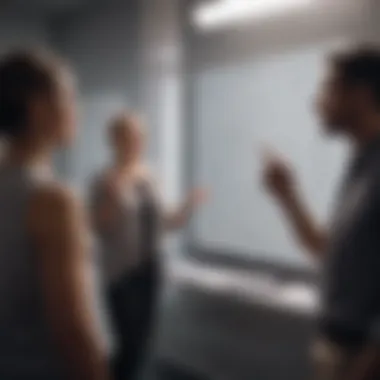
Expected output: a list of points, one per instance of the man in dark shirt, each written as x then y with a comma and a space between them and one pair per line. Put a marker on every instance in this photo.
349, 105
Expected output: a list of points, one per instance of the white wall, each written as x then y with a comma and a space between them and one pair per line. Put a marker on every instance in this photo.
162, 88
161, 96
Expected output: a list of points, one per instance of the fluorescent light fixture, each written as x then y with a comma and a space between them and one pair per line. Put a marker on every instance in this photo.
224, 13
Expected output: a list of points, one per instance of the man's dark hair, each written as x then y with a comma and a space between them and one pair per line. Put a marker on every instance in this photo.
360, 67
24, 75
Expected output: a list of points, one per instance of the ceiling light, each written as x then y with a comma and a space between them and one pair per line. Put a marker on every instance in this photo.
229, 12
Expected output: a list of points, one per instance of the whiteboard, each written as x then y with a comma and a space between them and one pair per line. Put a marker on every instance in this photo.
238, 107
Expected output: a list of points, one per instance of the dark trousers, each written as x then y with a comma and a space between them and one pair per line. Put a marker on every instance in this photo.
132, 306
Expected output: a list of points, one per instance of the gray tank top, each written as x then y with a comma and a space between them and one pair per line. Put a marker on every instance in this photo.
135, 237
26, 349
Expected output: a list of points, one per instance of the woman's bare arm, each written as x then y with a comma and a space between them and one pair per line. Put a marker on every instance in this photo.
308, 232
180, 216
59, 229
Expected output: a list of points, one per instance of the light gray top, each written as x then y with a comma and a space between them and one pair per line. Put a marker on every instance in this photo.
26, 349
135, 235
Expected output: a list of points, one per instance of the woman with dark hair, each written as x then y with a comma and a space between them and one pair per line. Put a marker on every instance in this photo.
130, 220
49, 327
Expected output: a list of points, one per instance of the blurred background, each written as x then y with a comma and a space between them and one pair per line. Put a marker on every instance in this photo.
215, 81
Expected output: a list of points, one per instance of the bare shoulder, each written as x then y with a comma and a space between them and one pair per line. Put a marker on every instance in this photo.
52, 206
55, 196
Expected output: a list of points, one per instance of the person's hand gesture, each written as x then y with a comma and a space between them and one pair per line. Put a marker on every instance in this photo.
278, 176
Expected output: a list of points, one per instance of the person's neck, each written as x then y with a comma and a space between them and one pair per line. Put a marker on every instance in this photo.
22, 152
126, 167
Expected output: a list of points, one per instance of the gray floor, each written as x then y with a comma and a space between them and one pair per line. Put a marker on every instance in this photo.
203, 336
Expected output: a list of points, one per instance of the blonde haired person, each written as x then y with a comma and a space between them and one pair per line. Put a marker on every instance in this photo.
130, 220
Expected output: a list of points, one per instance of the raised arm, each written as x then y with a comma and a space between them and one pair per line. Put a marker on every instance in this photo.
60, 231
180, 216
279, 180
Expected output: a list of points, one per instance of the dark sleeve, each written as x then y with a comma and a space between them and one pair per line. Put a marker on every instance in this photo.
373, 252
